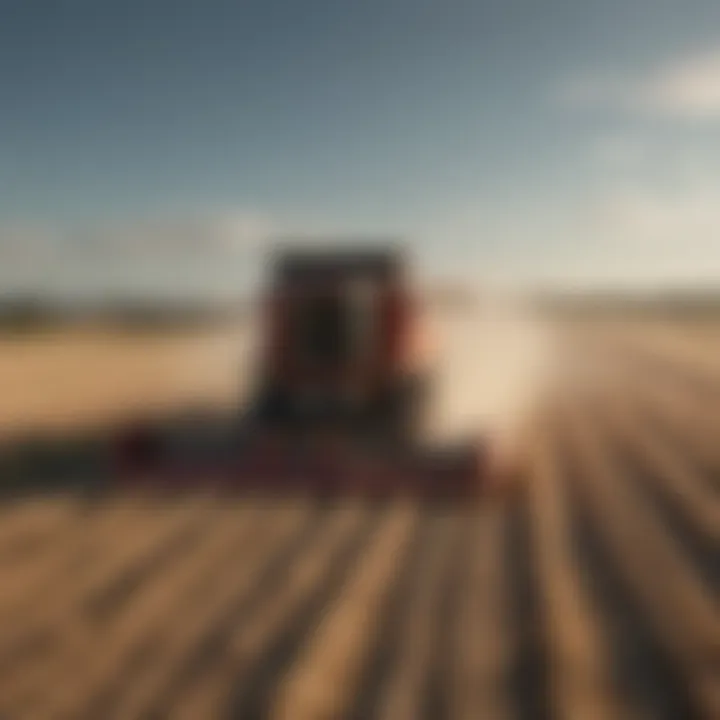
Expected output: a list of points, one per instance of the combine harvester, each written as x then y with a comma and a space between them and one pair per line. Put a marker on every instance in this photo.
340, 396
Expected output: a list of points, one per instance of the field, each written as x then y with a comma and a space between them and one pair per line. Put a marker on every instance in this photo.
593, 594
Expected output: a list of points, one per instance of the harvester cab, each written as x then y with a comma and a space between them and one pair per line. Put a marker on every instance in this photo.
341, 346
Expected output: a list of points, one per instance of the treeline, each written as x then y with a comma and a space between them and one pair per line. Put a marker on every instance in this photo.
673, 304
28, 314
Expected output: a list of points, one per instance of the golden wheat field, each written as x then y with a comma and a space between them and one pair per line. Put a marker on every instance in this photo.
591, 594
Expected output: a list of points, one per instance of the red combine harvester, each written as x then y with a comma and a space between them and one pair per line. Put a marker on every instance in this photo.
340, 395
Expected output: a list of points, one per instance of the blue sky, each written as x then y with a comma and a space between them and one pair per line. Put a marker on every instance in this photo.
157, 144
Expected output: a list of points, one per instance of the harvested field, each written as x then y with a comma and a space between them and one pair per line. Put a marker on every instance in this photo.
594, 594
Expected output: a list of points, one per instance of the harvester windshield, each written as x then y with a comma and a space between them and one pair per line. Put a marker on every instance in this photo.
333, 327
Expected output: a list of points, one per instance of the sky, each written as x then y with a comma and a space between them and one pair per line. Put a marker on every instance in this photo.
160, 145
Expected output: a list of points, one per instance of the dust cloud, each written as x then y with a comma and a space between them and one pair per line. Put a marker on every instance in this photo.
493, 367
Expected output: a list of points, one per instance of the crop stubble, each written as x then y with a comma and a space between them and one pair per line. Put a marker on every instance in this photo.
128, 609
